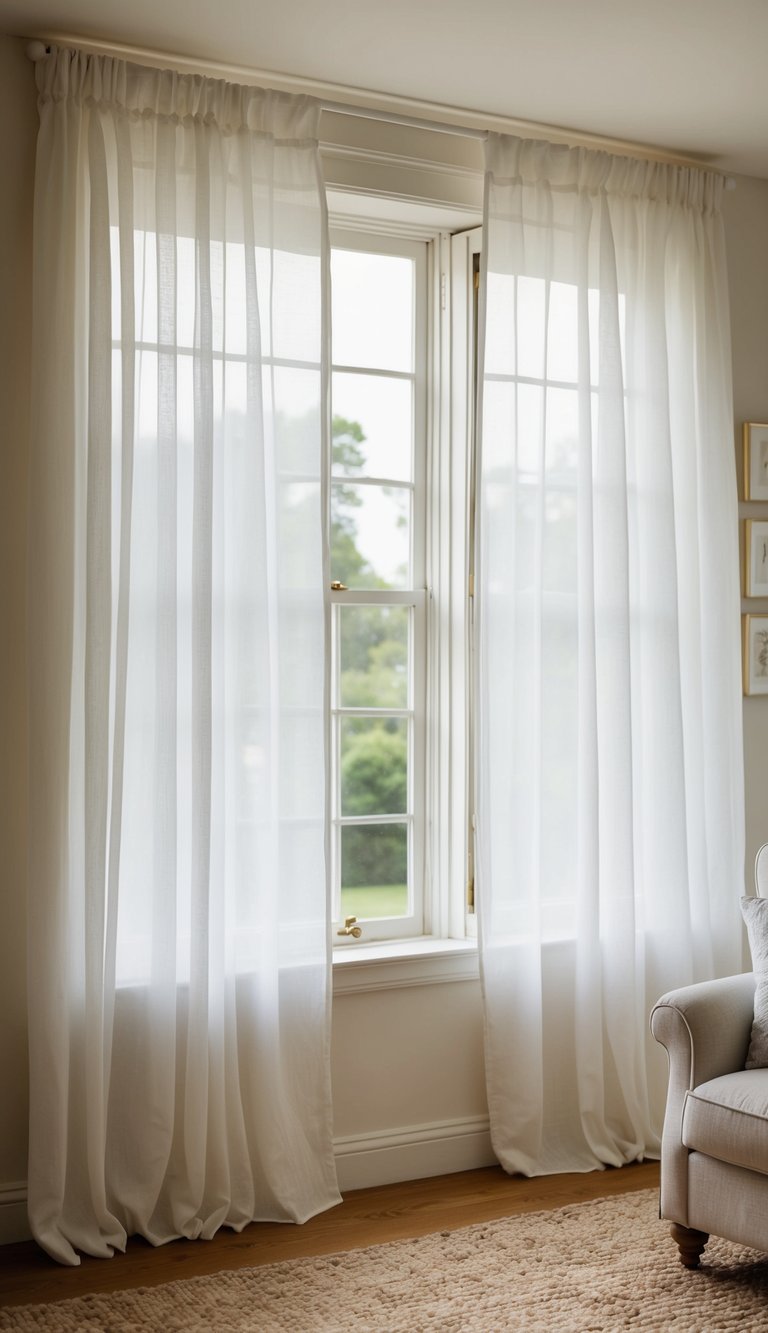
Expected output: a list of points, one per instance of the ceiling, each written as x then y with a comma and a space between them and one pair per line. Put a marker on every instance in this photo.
685, 75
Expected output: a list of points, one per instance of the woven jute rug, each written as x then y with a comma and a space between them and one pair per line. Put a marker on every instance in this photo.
605, 1265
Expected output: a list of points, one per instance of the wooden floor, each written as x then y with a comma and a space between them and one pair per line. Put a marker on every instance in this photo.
366, 1217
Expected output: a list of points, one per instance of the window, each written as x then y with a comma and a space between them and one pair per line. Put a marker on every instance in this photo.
378, 590
401, 409
404, 367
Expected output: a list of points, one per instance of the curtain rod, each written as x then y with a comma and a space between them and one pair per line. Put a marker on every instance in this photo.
341, 100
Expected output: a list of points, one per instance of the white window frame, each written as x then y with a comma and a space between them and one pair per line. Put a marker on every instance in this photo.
451, 489
441, 945
413, 923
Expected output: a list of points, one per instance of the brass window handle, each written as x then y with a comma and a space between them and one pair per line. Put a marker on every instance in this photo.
350, 927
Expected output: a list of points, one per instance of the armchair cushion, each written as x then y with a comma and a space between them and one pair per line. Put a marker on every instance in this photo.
755, 913
727, 1118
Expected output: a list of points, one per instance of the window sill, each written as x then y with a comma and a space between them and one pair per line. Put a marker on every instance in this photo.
420, 962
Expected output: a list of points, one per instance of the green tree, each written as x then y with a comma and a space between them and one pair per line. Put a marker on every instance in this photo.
374, 856
374, 658
347, 564
374, 773
347, 437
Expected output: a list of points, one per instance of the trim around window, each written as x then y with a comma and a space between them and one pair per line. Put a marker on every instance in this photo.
391, 953
397, 963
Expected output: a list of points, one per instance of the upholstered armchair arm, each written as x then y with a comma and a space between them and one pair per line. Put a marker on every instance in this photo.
705, 1029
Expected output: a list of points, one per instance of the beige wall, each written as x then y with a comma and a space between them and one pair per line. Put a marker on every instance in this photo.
401, 1058
746, 226
407, 1057
18, 127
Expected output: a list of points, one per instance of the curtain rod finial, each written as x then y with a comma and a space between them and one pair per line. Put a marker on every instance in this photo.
37, 51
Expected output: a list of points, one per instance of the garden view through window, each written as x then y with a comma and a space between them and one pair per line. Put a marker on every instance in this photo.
376, 558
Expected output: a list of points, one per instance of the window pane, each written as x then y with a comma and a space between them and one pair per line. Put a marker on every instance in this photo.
530, 327
372, 317
145, 285
292, 417
370, 535
530, 421
186, 287
562, 451
374, 656
295, 284
374, 870
372, 426
374, 766
500, 343
563, 332
235, 300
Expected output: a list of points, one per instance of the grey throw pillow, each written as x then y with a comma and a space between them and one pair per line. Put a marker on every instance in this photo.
755, 913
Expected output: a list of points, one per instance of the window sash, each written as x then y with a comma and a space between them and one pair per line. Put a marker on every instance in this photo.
415, 597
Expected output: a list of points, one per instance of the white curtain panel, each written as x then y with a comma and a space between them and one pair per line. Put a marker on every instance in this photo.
610, 788
178, 955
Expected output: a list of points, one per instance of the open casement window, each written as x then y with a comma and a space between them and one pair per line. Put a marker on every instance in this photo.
378, 589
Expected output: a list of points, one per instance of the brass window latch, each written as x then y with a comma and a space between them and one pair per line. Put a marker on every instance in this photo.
351, 927
337, 586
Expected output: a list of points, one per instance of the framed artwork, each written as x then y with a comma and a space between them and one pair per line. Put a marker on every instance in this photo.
755, 654
755, 558
755, 460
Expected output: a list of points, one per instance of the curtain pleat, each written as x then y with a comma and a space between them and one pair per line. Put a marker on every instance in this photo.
178, 940
610, 801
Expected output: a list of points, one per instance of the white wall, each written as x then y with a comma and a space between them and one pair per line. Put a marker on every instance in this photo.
746, 224
407, 1063
18, 127
408, 1083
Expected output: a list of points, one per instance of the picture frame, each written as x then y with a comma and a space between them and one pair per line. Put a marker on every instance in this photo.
755, 439
755, 558
755, 654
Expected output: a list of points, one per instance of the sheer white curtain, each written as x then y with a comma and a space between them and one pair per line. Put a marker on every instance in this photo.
179, 1005
610, 820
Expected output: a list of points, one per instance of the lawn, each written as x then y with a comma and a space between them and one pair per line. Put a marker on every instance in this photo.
374, 900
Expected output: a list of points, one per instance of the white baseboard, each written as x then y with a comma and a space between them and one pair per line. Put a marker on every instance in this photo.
14, 1223
436, 1149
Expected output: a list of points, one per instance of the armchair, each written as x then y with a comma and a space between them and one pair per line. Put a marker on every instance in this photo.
714, 1147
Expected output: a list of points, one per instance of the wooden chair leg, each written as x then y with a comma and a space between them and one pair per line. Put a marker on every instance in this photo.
690, 1243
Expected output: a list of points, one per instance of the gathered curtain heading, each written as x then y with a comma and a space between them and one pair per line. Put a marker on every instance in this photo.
138, 90
530, 162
